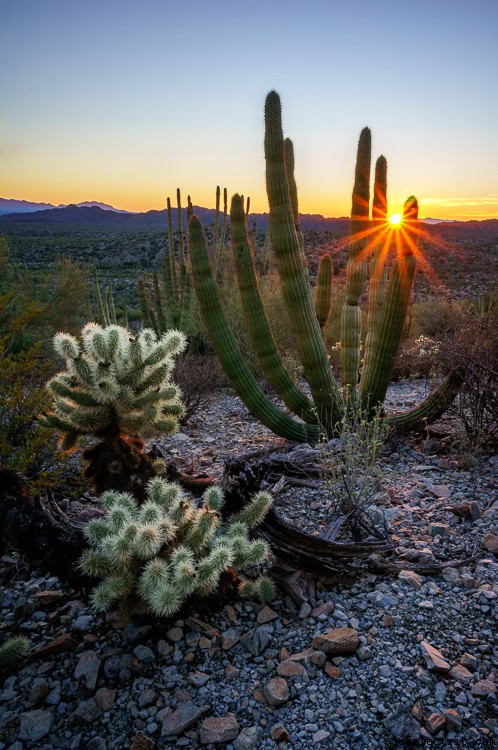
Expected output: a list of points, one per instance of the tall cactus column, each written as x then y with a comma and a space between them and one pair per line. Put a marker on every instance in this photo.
293, 273
356, 269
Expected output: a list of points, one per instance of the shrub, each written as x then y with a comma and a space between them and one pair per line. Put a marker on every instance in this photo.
153, 557
198, 378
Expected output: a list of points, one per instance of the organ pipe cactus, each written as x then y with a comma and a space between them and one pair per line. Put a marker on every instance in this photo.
388, 299
116, 386
154, 556
323, 291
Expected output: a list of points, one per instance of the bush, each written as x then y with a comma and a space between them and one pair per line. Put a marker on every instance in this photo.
198, 378
153, 557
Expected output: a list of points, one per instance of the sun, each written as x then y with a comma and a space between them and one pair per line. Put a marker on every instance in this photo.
395, 220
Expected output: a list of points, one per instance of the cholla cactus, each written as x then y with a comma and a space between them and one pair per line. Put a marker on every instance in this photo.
152, 557
116, 385
14, 651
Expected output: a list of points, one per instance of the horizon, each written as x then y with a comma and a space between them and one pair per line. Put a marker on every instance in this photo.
131, 105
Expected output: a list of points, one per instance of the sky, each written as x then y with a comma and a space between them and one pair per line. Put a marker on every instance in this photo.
122, 102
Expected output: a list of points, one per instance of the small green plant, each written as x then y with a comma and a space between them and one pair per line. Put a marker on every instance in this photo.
116, 387
153, 557
13, 652
352, 470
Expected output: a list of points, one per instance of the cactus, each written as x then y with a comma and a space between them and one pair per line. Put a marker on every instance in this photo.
388, 299
153, 557
323, 291
13, 652
116, 386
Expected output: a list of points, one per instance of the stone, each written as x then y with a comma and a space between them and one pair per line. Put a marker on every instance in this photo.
332, 671
439, 490
461, 674
88, 668
247, 739
87, 711
453, 719
219, 729
411, 578
104, 698
469, 661
231, 672
276, 691
256, 640
47, 598
289, 668
39, 691
59, 645
433, 658
279, 733
435, 723
337, 642
198, 678
483, 688
266, 614
140, 741
299, 586
321, 735
175, 635
229, 638
35, 724
440, 529
83, 623
182, 718
144, 654
490, 542
402, 724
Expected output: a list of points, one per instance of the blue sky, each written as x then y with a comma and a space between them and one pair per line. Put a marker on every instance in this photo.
124, 102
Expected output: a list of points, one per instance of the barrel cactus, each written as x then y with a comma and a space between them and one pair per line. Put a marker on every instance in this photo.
116, 387
154, 556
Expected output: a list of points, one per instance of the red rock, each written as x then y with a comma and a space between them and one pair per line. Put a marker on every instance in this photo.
490, 543
469, 661
332, 671
412, 579
104, 698
460, 673
435, 722
61, 644
178, 721
483, 688
266, 614
279, 733
338, 641
434, 658
140, 741
276, 691
219, 729
291, 668
46, 598
175, 635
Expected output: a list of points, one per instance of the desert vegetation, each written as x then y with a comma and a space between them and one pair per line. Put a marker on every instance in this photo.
271, 444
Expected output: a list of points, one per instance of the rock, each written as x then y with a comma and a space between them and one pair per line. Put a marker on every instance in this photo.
403, 725
185, 715
412, 579
175, 635
87, 711
289, 668
276, 691
279, 733
61, 644
39, 691
104, 698
219, 729
321, 735
434, 658
440, 529
469, 661
332, 671
144, 654
35, 724
453, 719
140, 741
88, 667
247, 739
47, 598
229, 638
299, 586
435, 723
266, 614
338, 641
483, 688
198, 678
439, 490
490, 543
460, 673
256, 640
83, 624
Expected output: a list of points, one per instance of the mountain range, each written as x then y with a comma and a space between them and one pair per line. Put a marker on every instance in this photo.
11, 206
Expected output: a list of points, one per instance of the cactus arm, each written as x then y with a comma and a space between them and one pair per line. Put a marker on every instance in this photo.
431, 408
293, 273
356, 269
224, 344
172, 264
181, 242
291, 180
216, 224
378, 272
269, 358
159, 305
378, 368
323, 291
144, 305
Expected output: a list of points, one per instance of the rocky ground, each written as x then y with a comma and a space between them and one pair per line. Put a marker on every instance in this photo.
386, 660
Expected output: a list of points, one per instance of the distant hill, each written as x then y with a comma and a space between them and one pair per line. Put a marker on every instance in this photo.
10, 205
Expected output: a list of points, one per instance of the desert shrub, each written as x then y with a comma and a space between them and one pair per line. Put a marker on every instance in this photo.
198, 378
116, 387
153, 557
418, 359
13, 652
